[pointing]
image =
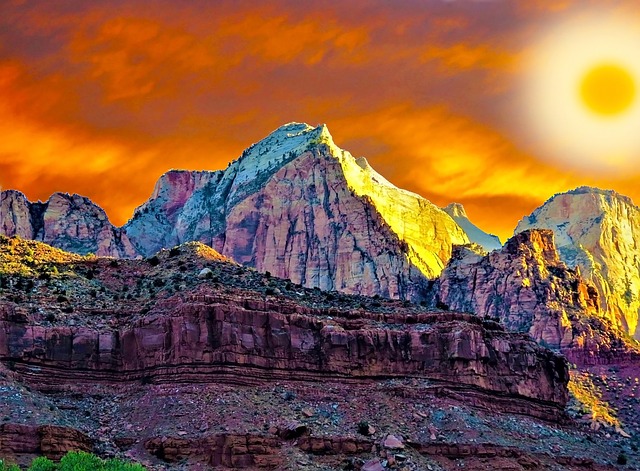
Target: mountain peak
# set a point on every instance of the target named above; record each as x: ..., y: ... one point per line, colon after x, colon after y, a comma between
x: 597, y: 230
x: 607, y: 195
x: 488, y: 242
x: 281, y: 146
x: 455, y: 210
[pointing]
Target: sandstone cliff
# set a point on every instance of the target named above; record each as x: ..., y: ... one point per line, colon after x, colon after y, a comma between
x: 598, y: 231
x: 296, y: 205
x: 246, y: 340
x: 69, y: 222
x: 528, y: 287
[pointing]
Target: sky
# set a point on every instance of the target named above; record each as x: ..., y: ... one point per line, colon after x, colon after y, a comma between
x: 455, y: 100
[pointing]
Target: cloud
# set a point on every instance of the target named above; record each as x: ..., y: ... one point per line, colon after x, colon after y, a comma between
x: 463, y: 57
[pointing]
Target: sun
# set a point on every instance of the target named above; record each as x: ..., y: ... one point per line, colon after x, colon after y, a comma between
x: 607, y: 89
x: 582, y: 108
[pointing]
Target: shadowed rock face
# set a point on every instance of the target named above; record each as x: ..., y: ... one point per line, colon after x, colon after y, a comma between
x: 598, y: 232
x: 248, y: 341
x: 526, y: 286
x: 69, y: 222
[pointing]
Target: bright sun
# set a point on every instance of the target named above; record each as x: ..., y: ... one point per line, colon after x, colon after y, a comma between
x: 607, y: 89
x: 583, y: 107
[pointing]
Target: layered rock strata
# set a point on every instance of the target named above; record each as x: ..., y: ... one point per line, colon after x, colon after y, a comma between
x: 248, y: 341
x: 48, y: 440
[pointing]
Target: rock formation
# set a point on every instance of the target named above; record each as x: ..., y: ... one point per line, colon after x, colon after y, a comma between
x: 598, y: 232
x: 69, y: 222
x: 293, y: 204
x: 476, y: 235
x: 528, y: 287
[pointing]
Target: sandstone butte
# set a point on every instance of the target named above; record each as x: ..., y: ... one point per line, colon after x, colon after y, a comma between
x: 148, y: 359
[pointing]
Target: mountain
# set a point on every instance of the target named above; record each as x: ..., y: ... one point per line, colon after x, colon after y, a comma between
x: 70, y: 222
x: 476, y: 235
x: 298, y: 206
x: 598, y: 231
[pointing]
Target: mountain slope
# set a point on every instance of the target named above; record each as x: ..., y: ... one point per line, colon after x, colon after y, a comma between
x: 599, y: 232
x: 69, y: 222
x: 476, y: 235
x: 300, y: 207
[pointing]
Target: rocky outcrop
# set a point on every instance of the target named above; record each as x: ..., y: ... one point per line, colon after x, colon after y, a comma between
x: 15, y: 215
x: 248, y: 340
x: 476, y: 235
x: 69, y: 222
x: 298, y: 206
x: 48, y: 440
x: 228, y: 450
x: 529, y: 289
x: 597, y: 231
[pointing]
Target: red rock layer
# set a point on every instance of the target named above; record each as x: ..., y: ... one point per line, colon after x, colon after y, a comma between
x: 251, y: 340
x: 48, y: 440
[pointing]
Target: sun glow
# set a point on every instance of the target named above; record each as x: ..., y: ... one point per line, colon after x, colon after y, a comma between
x: 582, y: 99
x: 607, y: 90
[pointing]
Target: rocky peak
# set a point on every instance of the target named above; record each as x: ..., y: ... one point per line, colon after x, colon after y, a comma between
x: 282, y: 145
x: 474, y: 233
x: 70, y: 222
x: 455, y: 210
x: 537, y: 245
x: 527, y: 287
x: 15, y: 217
x: 597, y: 231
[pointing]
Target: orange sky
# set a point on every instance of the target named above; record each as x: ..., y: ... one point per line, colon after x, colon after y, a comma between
x: 102, y: 98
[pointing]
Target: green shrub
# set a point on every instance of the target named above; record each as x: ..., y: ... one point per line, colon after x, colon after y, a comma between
x: 42, y: 464
x: 118, y: 465
x: 4, y: 466
x: 76, y: 461
x: 80, y: 461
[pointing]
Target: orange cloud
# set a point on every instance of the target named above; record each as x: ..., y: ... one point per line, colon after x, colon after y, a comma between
x: 281, y: 40
x: 138, y: 57
x: 461, y: 57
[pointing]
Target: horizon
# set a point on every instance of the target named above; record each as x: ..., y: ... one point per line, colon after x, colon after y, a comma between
x: 447, y: 100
